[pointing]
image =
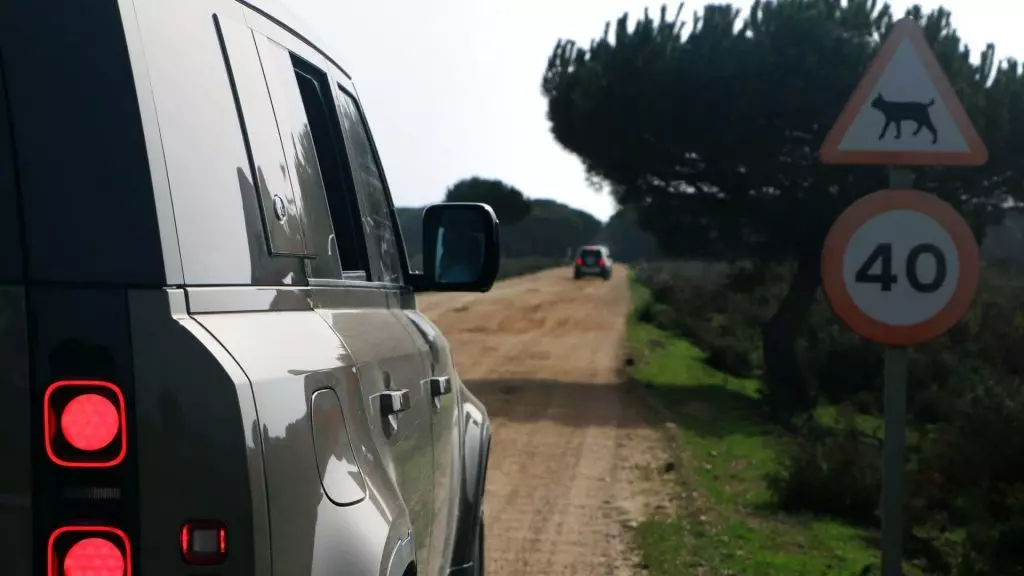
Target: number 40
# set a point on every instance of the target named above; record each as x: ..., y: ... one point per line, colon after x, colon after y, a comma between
x: 886, y: 279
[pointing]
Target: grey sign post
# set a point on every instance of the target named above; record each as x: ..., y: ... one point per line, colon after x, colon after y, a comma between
x: 894, y: 447
x: 899, y: 267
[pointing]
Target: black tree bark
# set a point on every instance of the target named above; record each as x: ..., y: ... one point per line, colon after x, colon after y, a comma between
x: 788, y: 389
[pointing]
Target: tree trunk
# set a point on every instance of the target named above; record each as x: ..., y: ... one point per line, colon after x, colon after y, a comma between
x: 788, y: 390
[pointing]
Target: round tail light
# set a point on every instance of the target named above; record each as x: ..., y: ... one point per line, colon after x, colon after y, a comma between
x: 94, y: 557
x: 90, y: 422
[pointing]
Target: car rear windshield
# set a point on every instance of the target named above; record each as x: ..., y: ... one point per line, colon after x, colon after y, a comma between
x: 590, y: 256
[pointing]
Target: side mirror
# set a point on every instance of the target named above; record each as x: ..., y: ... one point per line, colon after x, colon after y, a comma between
x: 460, y: 248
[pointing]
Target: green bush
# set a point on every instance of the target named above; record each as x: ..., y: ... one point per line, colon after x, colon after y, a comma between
x: 720, y: 320
x: 834, y: 473
x: 731, y: 355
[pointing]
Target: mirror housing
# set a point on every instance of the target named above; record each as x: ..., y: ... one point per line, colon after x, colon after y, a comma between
x: 461, y: 248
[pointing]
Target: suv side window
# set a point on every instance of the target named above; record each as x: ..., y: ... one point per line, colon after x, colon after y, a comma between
x: 374, y: 200
x: 301, y: 105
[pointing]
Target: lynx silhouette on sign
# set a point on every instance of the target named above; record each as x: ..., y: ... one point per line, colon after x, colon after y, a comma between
x: 897, y: 112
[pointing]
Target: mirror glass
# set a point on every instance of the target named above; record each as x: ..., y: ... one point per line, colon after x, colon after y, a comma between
x: 460, y: 247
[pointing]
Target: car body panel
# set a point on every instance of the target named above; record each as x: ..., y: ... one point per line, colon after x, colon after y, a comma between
x: 386, y: 359
x: 15, y: 400
x: 447, y: 441
x: 200, y: 452
x: 209, y: 176
x: 476, y: 433
x: 297, y: 355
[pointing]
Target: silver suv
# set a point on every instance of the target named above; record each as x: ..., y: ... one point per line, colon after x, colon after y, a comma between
x: 592, y: 261
x: 213, y: 360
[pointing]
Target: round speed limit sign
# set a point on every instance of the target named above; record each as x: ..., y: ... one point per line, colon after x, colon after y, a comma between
x: 900, y: 267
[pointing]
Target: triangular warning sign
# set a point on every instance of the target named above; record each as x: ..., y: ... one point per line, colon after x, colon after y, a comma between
x: 904, y: 111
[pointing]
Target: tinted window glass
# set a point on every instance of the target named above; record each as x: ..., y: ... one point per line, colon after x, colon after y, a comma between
x: 374, y: 203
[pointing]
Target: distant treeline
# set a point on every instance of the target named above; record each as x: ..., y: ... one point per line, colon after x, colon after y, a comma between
x: 552, y: 230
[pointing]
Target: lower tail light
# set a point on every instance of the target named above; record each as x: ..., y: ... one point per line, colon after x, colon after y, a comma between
x: 204, y: 542
x: 579, y: 261
x: 84, y: 424
x: 88, y: 551
x: 601, y: 262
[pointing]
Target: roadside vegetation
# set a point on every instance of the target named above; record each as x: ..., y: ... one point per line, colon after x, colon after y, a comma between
x: 760, y: 496
x: 708, y: 128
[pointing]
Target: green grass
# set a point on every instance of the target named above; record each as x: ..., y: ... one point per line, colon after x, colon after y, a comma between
x: 724, y: 522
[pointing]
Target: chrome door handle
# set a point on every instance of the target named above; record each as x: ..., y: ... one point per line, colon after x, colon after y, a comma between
x: 394, y: 402
x: 440, y: 385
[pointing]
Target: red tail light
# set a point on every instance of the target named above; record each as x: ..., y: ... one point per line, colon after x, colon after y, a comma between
x: 90, y: 417
x: 88, y: 551
x: 601, y: 262
x: 579, y: 261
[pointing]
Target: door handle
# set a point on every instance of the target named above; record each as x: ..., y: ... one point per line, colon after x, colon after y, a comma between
x: 394, y: 402
x: 440, y: 385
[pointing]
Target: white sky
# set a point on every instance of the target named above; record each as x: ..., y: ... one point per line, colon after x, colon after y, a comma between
x: 452, y: 87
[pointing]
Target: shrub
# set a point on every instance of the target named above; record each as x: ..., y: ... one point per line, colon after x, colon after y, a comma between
x: 723, y: 323
x: 730, y: 355
x: 970, y: 474
x: 845, y: 372
x: 833, y: 473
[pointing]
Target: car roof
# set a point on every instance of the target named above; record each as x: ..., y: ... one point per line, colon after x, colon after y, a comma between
x: 284, y: 17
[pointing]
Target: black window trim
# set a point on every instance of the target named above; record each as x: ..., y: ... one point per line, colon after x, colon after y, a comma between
x: 301, y: 65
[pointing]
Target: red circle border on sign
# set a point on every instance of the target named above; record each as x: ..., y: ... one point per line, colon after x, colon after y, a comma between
x: 857, y: 215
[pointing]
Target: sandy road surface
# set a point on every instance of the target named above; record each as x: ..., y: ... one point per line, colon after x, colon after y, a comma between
x: 543, y: 352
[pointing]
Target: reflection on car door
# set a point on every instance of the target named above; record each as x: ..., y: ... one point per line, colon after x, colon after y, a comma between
x: 447, y: 440
x: 365, y: 313
x: 378, y: 220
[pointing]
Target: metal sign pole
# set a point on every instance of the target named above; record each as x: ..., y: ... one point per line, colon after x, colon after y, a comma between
x: 895, y: 439
x: 893, y: 460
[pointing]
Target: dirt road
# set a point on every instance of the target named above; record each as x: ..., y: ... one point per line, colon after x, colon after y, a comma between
x: 543, y: 352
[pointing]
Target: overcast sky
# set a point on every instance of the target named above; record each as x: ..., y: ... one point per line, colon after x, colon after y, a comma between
x: 452, y: 87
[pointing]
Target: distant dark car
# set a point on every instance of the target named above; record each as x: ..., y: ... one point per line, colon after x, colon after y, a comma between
x: 593, y: 261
